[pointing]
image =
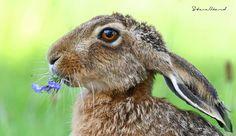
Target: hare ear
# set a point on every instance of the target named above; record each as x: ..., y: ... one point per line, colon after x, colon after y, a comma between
x: 190, y: 85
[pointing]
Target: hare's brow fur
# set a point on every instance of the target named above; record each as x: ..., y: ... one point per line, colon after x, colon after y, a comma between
x: 146, y: 32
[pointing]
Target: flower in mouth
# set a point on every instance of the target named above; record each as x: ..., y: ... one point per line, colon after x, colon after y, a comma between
x: 53, y: 84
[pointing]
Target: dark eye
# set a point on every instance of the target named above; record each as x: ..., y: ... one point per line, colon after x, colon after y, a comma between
x: 108, y: 35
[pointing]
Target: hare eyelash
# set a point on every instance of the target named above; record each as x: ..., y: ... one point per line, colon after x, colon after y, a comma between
x: 116, y: 26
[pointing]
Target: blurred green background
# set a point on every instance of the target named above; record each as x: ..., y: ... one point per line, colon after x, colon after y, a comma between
x: 29, y: 27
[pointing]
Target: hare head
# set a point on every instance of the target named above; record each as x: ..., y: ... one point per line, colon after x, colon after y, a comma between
x: 115, y: 53
x: 107, y: 53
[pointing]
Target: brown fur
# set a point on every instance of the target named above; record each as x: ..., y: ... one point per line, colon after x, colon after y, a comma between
x: 137, y: 113
x: 119, y: 77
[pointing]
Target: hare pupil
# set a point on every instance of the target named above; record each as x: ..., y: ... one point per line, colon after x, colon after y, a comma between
x: 109, y: 33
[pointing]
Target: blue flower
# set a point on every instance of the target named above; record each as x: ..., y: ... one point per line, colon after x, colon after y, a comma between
x: 51, y: 85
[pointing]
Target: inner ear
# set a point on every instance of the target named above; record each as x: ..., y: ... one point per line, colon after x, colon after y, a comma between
x: 187, y: 90
x: 171, y: 86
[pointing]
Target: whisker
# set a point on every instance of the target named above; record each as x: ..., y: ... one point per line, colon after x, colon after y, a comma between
x: 93, y: 96
x: 80, y: 89
x: 44, y: 76
x: 41, y: 74
x: 70, y: 88
x: 40, y: 68
x: 40, y: 62
x: 93, y: 113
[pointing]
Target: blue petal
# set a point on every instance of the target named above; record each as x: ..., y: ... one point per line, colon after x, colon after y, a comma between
x: 37, y: 88
x: 46, y: 88
x: 54, y: 85
x: 51, y: 85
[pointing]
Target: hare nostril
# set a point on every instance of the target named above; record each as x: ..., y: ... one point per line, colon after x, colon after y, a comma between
x: 53, y: 60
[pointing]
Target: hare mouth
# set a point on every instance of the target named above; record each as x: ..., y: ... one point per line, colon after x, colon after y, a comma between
x: 67, y: 81
x: 70, y: 81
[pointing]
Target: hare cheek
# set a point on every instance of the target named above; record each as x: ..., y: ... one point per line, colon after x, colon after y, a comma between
x: 50, y: 68
x: 95, y: 85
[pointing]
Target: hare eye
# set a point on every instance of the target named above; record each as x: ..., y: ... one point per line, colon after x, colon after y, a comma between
x: 108, y: 35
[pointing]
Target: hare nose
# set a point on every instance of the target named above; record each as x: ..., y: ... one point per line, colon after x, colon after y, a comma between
x: 53, y: 60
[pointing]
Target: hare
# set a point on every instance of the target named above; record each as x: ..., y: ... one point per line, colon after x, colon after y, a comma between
x: 115, y: 58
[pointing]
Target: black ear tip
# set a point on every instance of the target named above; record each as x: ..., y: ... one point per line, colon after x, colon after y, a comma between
x: 230, y: 129
x: 228, y: 125
x: 227, y: 128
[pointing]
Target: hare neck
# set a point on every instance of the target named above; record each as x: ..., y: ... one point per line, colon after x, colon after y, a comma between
x: 90, y: 106
x: 138, y: 93
x: 140, y: 90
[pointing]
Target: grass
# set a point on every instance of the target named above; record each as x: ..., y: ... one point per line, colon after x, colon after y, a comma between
x: 28, y: 28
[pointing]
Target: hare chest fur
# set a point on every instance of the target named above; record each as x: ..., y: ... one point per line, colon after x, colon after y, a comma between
x: 116, y: 58
x: 134, y: 113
